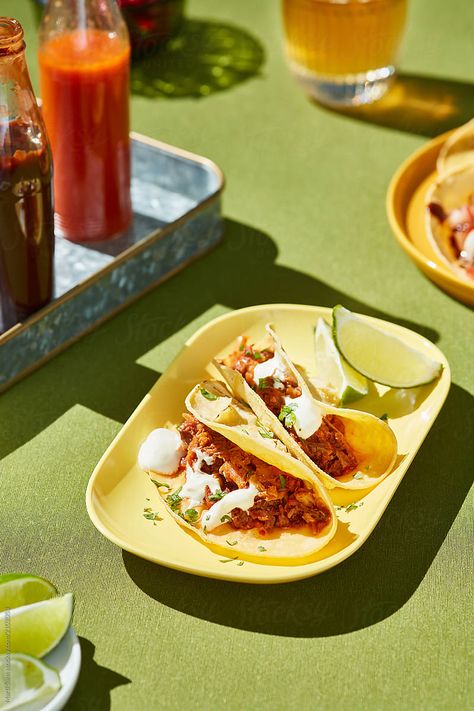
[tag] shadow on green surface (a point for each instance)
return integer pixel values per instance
(101, 373)
(203, 58)
(95, 683)
(369, 586)
(423, 105)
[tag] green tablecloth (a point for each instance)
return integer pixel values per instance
(387, 629)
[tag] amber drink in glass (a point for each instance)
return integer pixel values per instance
(344, 52)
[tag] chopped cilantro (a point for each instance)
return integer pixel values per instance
(226, 518)
(242, 347)
(217, 495)
(262, 549)
(350, 507)
(174, 500)
(209, 396)
(191, 515)
(287, 415)
(228, 560)
(282, 482)
(231, 543)
(151, 515)
(264, 431)
(241, 562)
(263, 383)
(158, 484)
(253, 354)
(384, 417)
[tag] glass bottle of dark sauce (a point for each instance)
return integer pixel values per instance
(26, 210)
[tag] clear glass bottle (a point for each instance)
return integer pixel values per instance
(26, 211)
(84, 58)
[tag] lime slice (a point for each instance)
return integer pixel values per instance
(17, 589)
(24, 680)
(380, 356)
(35, 629)
(332, 371)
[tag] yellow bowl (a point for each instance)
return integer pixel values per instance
(406, 213)
(118, 491)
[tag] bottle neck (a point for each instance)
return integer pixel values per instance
(13, 63)
(15, 84)
(11, 37)
(17, 99)
(62, 16)
(16, 94)
(13, 70)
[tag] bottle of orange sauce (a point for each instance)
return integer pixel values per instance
(84, 57)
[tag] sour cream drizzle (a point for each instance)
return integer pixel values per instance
(161, 452)
(468, 249)
(196, 480)
(274, 368)
(308, 415)
(239, 499)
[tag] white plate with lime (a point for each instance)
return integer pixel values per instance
(40, 654)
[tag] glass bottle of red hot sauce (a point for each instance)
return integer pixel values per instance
(84, 58)
(26, 210)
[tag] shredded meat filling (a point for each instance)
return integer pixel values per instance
(283, 500)
(327, 447)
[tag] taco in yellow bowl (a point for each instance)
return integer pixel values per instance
(224, 475)
(342, 447)
(450, 220)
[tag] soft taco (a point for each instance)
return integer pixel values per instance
(458, 151)
(344, 448)
(450, 220)
(224, 475)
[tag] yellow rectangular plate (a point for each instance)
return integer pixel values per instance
(118, 491)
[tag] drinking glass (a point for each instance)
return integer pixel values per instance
(344, 52)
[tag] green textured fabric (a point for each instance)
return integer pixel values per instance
(388, 628)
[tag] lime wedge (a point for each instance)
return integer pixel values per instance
(332, 371)
(26, 680)
(35, 629)
(17, 589)
(379, 356)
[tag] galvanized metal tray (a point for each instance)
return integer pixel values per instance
(176, 217)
